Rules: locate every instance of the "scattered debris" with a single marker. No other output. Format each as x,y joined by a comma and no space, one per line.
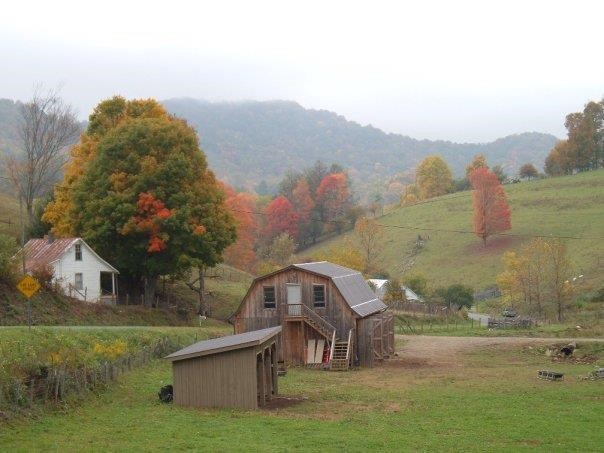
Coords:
594,375
566,353
166,394
550,375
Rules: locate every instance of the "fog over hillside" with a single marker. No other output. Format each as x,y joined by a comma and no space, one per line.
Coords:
247,142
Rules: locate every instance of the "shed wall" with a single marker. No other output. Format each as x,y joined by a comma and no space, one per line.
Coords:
220,380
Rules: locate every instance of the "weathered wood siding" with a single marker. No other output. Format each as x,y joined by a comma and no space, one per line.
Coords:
253,315
220,380
375,338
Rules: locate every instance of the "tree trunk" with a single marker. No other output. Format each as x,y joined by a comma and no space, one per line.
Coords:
203,309
150,287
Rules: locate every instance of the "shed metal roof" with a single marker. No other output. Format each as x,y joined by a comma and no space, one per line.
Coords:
223,344
351,284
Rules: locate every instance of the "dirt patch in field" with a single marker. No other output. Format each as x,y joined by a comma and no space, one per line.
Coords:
283,402
424,351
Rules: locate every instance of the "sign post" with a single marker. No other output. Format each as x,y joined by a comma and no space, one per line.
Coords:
28,287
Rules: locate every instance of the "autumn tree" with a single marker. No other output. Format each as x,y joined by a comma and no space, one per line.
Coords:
559,160
528,171
537,279
410,195
584,147
281,249
241,254
333,198
281,217
304,206
492,213
47,126
370,235
346,254
144,198
433,177
479,161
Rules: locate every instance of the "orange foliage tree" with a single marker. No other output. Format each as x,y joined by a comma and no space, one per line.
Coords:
149,217
241,254
492,212
333,196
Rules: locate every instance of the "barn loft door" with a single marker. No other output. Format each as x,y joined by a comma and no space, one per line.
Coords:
294,299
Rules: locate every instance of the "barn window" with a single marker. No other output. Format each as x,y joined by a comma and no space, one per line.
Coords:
79,281
318,292
78,252
269,297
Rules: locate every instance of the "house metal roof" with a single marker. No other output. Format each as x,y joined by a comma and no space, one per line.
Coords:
42,252
351,284
223,344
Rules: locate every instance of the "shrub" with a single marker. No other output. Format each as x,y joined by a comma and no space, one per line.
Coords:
8,248
459,295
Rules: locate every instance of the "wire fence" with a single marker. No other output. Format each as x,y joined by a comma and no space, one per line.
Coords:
54,383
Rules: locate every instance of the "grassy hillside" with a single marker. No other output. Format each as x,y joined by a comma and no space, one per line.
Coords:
566,206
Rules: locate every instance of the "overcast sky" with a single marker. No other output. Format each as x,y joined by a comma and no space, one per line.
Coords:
457,70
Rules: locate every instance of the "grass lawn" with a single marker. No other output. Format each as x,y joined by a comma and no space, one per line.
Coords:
488,399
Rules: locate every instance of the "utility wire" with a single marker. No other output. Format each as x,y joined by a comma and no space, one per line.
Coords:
442,230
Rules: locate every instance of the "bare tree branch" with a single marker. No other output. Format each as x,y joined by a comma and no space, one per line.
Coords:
48,126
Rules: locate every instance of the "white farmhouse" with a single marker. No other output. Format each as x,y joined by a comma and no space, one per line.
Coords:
380,290
76,268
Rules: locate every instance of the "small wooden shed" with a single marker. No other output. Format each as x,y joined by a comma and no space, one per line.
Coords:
236,371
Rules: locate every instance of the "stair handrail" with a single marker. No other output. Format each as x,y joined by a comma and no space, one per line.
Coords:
333,345
348,348
323,323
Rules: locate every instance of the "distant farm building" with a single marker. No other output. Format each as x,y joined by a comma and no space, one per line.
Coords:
380,290
329,315
237,371
75,267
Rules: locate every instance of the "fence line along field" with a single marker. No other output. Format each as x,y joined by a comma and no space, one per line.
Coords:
49,364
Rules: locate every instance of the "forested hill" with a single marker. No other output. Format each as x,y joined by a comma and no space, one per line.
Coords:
247,142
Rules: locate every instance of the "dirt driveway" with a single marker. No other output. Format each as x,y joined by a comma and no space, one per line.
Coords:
445,350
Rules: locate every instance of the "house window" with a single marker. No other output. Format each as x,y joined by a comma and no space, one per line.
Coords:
318,292
269,297
79,281
78,252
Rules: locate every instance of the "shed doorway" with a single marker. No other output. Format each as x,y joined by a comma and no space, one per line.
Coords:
266,374
294,299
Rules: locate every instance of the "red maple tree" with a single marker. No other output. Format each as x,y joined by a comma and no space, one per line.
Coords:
281,217
492,212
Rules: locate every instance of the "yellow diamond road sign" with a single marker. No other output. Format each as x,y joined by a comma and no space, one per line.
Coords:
28,286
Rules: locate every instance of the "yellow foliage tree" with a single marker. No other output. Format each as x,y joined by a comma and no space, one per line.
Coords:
346,255
479,161
433,177
107,115
369,234
537,279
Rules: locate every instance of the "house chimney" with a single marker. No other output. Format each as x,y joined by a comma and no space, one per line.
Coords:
50,238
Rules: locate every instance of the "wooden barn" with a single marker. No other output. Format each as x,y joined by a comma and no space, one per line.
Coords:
233,371
329,315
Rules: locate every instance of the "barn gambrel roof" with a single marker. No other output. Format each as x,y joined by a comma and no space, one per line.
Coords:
349,282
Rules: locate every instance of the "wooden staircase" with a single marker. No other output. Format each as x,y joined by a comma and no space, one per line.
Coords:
341,358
